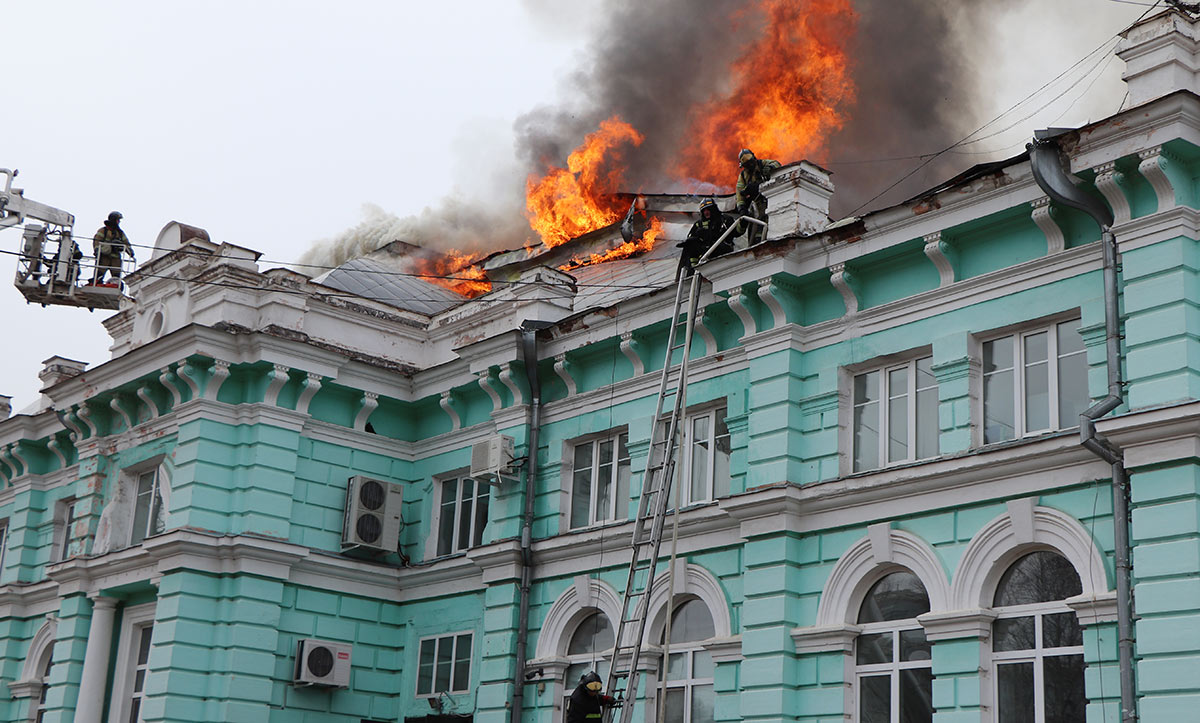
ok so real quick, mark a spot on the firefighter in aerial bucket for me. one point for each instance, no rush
(109, 243)
(587, 703)
(705, 232)
(752, 173)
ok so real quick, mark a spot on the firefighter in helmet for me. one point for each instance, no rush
(587, 703)
(109, 243)
(752, 173)
(705, 232)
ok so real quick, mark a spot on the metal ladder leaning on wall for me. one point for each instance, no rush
(653, 503)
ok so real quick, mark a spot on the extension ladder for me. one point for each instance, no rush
(653, 504)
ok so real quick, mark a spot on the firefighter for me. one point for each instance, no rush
(587, 703)
(705, 232)
(109, 243)
(753, 173)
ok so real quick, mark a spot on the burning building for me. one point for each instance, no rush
(366, 496)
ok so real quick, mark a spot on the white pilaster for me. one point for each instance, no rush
(95, 661)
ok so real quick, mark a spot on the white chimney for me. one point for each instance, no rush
(5, 406)
(1161, 56)
(57, 368)
(797, 200)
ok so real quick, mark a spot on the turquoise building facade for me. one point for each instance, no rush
(885, 510)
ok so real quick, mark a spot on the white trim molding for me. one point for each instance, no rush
(1005, 539)
(570, 609)
(30, 683)
(696, 582)
(866, 562)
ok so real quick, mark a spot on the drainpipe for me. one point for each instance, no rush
(1046, 161)
(529, 354)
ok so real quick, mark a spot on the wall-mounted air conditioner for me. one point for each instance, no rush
(321, 662)
(373, 515)
(492, 459)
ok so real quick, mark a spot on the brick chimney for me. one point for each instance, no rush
(797, 200)
(57, 368)
(1161, 56)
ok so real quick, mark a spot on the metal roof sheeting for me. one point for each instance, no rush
(379, 281)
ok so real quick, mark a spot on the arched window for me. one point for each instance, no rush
(1037, 643)
(40, 709)
(690, 668)
(589, 649)
(893, 670)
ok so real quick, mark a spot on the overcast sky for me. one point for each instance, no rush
(271, 124)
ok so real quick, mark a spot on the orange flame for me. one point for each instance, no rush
(625, 250)
(566, 203)
(467, 279)
(790, 88)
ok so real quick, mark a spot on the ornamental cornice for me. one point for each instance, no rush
(826, 639)
(1153, 436)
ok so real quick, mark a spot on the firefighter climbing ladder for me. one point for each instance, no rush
(653, 505)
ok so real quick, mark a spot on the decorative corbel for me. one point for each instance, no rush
(70, 422)
(562, 368)
(217, 377)
(143, 393)
(278, 376)
(447, 403)
(369, 401)
(1043, 216)
(167, 378)
(312, 385)
(1108, 182)
(55, 447)
(843, 280)
(710, 341)
(737, 304)
(506, 378)
(485, 383)
(937, 251)
(116, 406)
(84, 414)
(14, 452)
(629, 347)
(190, 376)
(1163, 172)
(769, 292)
(10, 466)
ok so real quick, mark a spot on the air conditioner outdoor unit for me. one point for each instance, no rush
(373, 516)
(321, 662)
(492, 458)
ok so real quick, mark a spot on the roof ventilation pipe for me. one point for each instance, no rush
(1046, 159)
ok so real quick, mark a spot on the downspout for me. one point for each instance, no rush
(1046, 161)
(529, 355)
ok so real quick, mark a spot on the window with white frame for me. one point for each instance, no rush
(689, 684)
(462, 513)
(706, 456)
(1033, 381)
(148, 510)
(895, 416)
(64, 520)
(444, 665)
(132, 666)
(1037, 643)
(46, 665)
(893, 668)
(599, 480)
(589, 649)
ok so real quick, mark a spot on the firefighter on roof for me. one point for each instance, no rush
(705, 232)
(753, 173)
(109, 243)
(587, 703)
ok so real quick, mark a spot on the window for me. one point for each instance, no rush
(445, 665)
(690, 668)
(895, 414)
(40, 710)
(64, 521)
(600, 481)
(706, 456)
(1034, 381)
(589, 649)
(463, 514)
(132, 666)
(1037, 643)
(893, 669)
(148, 512)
